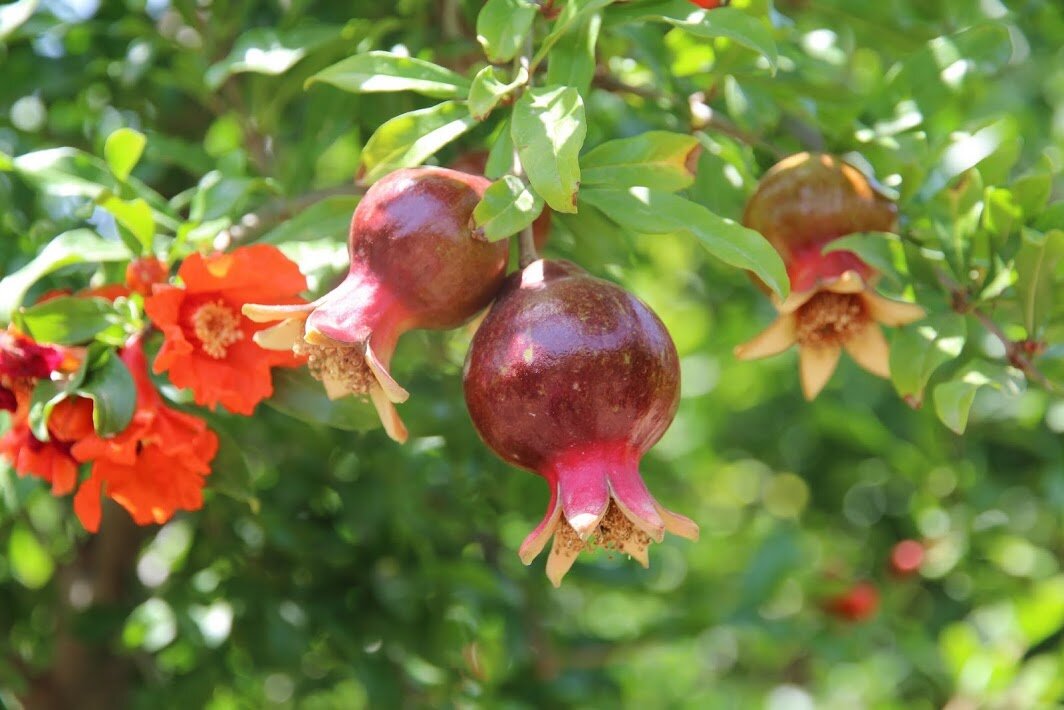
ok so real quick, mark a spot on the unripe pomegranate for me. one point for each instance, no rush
(143, 273)
(801, 204)
(574, 379)
(414, 264)
(858, 603)
(474, 162)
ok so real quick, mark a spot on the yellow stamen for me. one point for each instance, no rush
(343, 365)
(830, 318)
(217, 327)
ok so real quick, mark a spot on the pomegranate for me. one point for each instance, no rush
(906, 558)
(709, 4)
(414, 264)
(858, 603)
(574, 379)
(802, 203)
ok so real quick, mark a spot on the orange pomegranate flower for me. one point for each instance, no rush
(155, 467)
(209, 346)
(51, 461)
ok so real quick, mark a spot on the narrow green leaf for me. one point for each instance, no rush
(122, 151)
(659, 159)
(508, 206)
(728, 22)
(75, 247)
(110, 386)
(14, 15)
(409, 139)
(1036, 267)
(265, 50)
(657, 212)
(488, 91)
(68, 320)
(375, 72)
(136, 216)
(572, 59)
(327, 219)
(1033, 189)
(548, 130)
(502, 26)
(501, 156)
(953, 399)
(920, 349)
(573, 12)
(66, 172)
(31, 564)
(297, 394)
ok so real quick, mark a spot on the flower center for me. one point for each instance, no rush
(614, 532)
(830, 318)
(343, 366)
(217, 327)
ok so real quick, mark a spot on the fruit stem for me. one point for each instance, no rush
(526, 243)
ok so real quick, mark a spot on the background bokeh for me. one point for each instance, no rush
(331, 568)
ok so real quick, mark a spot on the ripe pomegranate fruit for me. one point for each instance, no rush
(858, 603)
(474, 162)
(709, 4)
(574, 379)
(414, 264)
(801, 204)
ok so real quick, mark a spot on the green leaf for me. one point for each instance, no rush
(264, 50)
(508, 206)
(1033, 189)
(122, 151)
(328, 219)
(74, 247)
(14, 15)
(1001, 213)
(656, 212)
(727, 22)
(548, 130)
(297, 394)
(918, 350)
(572, 59)
(375, 72)
(501, 156)
(573, 12)
(409, 139)
(66, 172)
(488, 91)
(502, 26)
(880, 250)
(953, 400)
(1041, 612)
(136, 216)
(659, 159)
(68, 320)
(31, 565)
(1036, 267)
(110, 386)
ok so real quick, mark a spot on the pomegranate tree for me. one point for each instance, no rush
(573, 378)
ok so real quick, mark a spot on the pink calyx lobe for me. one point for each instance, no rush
(573, 378)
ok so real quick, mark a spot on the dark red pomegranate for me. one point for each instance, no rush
(574, 378)
(858, 603)
(414, 264)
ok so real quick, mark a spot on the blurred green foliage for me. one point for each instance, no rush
(333, 569)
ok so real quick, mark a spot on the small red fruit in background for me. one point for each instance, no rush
(709, 4)
(906, 557)
(859, 603)
(142, 274)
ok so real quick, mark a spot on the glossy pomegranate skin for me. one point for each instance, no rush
(809, 199)
(565, 360)
(410, 234)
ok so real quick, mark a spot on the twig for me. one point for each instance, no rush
(254, 224)
(1015, 352)
(526, 243)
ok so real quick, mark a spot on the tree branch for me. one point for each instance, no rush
(1015, 350)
